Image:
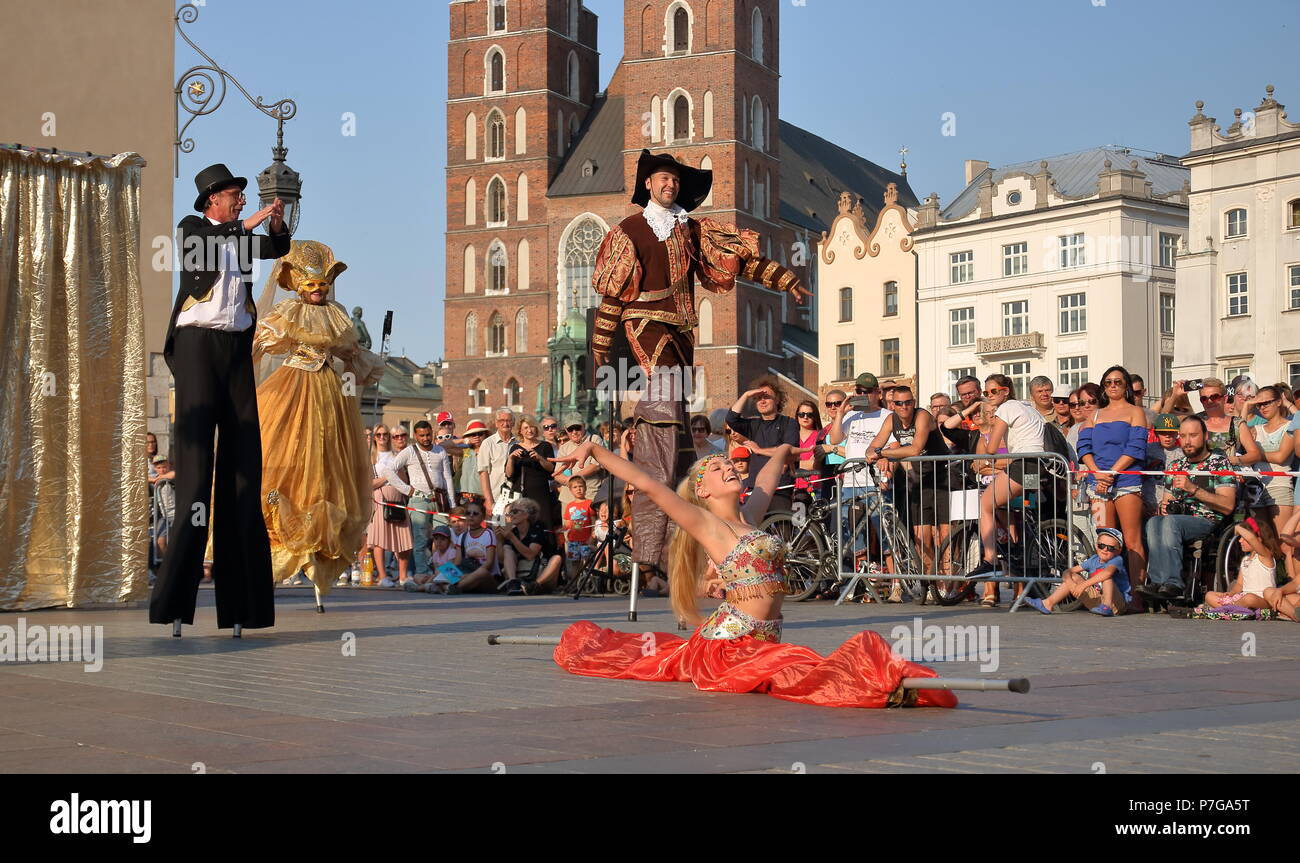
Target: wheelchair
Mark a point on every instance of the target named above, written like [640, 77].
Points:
[1209, 563]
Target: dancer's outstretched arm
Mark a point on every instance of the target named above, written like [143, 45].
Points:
[711, 532]
[766, 481]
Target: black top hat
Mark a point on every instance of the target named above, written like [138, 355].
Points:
[695, 182]
[214, 178]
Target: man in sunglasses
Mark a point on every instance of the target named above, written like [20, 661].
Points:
[1101, 581]
[855, 428]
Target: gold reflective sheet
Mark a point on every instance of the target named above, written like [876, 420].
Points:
[73, 492]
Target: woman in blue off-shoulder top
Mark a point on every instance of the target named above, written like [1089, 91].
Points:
[1115, 438]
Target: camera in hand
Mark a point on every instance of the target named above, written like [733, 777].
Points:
[861, 403]
[1193, 386]
[1175, 507]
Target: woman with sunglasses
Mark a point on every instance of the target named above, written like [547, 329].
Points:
[1114, 437]
[1083, 402]
[1021, 427]
[737, 648]
[384, 534]
[809, 419]
[701, 433]
[1278, 447]
[1226, 423]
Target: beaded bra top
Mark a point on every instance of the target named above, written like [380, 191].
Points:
[755, 568]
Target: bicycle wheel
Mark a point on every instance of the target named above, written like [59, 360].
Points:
[805, 553]
[1227, 561]
[905, 555]
[958, 554]
[1055, 558]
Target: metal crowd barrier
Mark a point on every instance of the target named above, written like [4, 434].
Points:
[921, 536]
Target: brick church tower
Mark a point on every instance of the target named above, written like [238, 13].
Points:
[540, 165]
[522, 76]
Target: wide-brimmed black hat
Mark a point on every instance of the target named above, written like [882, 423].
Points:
[695, 182]
[214, 178]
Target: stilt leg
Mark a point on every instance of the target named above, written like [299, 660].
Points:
[320, 608]
[632, 594]
[176, 628]
[239, 630]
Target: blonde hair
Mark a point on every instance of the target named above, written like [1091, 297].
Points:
[374, 443]
[686, 560]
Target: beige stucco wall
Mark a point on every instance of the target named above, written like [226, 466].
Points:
[104, 70]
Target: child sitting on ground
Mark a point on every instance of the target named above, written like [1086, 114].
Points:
[1105, 587]
[443, 558]
[1285, 600]
[1258, 568]
[456, 520]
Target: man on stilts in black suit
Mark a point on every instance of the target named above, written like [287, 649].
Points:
[209, 350]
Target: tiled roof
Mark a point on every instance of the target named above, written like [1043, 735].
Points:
[1075, 175]
[814, 172]
[600, 140]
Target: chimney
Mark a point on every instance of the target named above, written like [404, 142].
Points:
[973, 169]
[418, 380]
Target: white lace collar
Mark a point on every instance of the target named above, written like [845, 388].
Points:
[662, 219]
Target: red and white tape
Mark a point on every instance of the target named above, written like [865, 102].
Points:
[1246, 473]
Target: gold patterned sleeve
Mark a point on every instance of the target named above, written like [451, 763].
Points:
[617, 271]
[727, 252]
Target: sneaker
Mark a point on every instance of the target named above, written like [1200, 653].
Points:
[410, 586]
[387, 583]
[343, 580]
[1034, 602]
[984, 568]
[895, 594]
[1170, 591]
[1103, 610]
[1148, 589]
[509, 586]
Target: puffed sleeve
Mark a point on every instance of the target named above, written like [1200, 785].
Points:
[1136, 446]
[727, 252]
[1085, 442]
[617, 278]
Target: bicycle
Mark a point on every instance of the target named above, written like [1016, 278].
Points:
[1045, 545]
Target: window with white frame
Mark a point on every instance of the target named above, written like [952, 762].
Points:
[1293, 214]
[514, 393]
[1015, 259]
[496, 136]
[1166, 373]
[1019, 374]
[846, 304]
[1015, 318]
[1293, 375]
[1166, 314]
[1072, 251]
[1231, 372]
[1072, 371]
[1235, 223]
[843, 362]
[498, 16]
[1293, 281]
[962, 265]
[496, 269]
[955, 375]
[681, 30]
[579, 255]
[496, 72]
[1168, 249]
[891, 299]
[961, 327]
[479, 394]
[889, 357]
[496, 203]
[496, 335]
[1238, 294]
[1074, 313]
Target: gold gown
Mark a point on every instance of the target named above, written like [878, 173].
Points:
[316, 477]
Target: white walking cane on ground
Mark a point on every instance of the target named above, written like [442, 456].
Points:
[900, 697]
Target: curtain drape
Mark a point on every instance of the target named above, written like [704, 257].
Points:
[74, 502]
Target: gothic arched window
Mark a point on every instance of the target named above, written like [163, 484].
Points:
[579, 257]
[496, 136]
[681, 119]
[496, 72]
[471, 334]
[497, 335]
[681, 30]
[497, 269]
[496, 202]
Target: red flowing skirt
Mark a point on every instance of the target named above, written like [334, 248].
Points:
[862, 672]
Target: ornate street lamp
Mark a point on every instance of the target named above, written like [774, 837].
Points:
[198, 92]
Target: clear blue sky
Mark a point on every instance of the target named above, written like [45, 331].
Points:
[1025, 79]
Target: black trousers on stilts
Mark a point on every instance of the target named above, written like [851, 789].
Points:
[216, 394]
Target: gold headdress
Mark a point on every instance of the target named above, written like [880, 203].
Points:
[307, 261]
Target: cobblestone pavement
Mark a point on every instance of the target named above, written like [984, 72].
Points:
[391, 682]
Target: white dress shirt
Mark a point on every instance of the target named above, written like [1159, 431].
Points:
[436, 461]
[227, 306]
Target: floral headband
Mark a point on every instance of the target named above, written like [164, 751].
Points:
[703, 467]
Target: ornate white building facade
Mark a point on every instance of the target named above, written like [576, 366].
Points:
[866, 317]
[1058, 267]
[1239, 280]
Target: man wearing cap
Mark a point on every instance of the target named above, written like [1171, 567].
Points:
[1061, 408]
[645, 272]
[855, 427]
[575, 435]
[209, 351]
[1161, 453]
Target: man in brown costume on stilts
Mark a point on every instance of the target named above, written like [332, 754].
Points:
[645, 273]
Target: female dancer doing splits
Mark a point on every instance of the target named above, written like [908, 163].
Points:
[738, 647]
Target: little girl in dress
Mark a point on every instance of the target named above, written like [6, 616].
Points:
[1258, 567]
